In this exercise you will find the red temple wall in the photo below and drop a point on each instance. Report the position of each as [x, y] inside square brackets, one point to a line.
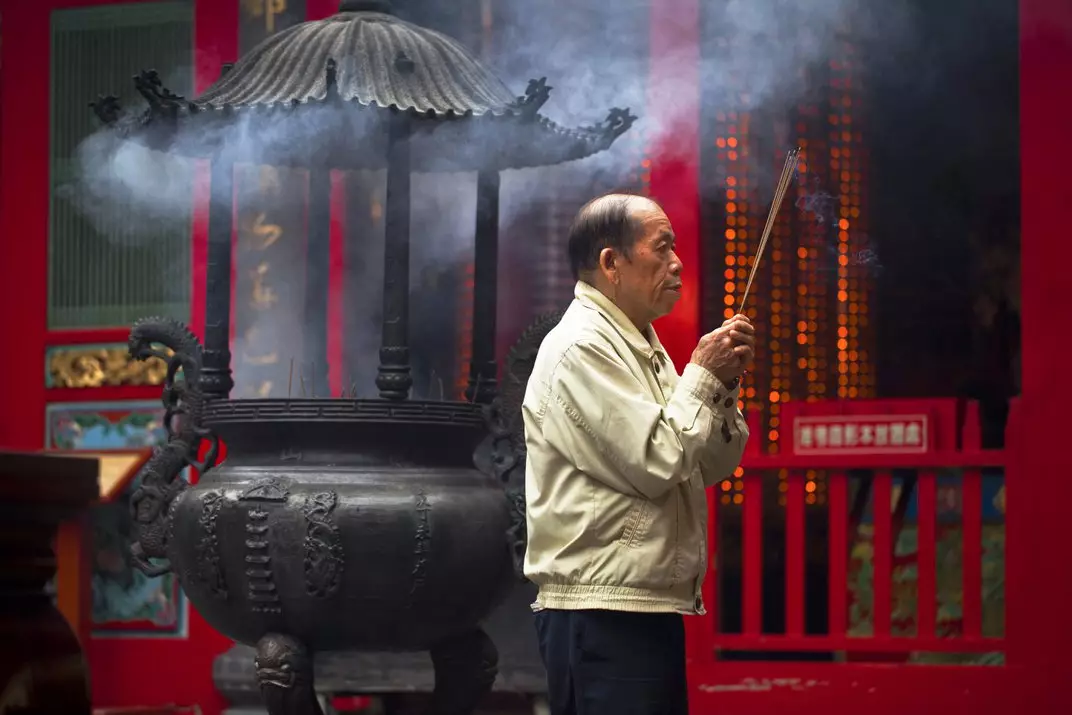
[126, 671]
[675, 170]
[1046, 301]
[144, 671]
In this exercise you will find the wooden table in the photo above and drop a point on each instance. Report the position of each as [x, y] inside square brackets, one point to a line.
[42, 667]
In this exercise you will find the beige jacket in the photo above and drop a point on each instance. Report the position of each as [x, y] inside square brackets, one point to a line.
[620, 450]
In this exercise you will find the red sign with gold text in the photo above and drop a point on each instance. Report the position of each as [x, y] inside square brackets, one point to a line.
[861, 434]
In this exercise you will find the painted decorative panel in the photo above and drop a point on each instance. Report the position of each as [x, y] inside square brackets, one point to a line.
[95, 426]
[949, 562]
[948, 586]
[949, 592]
[126, 603]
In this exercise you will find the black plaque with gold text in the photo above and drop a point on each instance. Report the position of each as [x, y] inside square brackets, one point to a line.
[260, 19]
[270, 248]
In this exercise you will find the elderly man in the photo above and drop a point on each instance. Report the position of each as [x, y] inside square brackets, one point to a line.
[620, 450]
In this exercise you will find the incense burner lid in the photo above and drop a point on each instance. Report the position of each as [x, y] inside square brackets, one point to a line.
[380, 60]
[316, 94]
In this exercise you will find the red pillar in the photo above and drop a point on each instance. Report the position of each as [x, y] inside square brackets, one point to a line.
[674, 152]
[317, 10]
[24, 198]
[675, 155]
[1039, 588]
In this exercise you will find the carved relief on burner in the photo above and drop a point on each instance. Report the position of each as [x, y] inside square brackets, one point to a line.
[262, 593]
[269, 489]
[422, 544]
[323, 545]
[208, 546]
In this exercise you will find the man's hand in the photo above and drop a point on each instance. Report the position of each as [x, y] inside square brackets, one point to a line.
[727, 351]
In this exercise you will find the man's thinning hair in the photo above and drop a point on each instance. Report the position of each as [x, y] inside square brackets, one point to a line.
[604, 222]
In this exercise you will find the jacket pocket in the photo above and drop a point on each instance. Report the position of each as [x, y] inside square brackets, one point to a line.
[637, 521]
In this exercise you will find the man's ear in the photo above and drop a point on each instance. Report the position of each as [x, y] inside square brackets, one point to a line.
[608, 264]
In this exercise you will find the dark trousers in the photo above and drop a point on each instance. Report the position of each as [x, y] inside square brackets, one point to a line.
[613, 663]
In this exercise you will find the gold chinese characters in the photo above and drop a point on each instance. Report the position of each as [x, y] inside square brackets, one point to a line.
[257, 236]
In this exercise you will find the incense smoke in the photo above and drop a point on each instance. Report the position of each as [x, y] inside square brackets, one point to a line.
[757, 55]
[819, 206]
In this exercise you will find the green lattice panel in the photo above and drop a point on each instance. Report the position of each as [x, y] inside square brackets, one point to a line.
[113, 261]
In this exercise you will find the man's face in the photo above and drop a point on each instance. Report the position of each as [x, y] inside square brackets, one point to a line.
[650, 278]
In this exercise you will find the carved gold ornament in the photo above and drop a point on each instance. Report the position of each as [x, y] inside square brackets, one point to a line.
[101, 366]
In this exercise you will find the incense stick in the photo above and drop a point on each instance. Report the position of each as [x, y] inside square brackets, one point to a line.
[788, 170]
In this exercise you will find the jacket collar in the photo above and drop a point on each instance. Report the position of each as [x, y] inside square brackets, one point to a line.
[646, 344]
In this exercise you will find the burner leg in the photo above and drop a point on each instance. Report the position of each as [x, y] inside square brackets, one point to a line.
[465, 670]
[285, 673]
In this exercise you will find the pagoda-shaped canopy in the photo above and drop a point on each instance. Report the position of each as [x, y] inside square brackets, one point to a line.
[309, 95]
[362, 89]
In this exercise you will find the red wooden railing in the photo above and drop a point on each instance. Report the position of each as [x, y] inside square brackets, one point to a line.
[887, 524]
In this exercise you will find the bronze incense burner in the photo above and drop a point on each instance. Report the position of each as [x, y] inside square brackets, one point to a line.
[340, 524]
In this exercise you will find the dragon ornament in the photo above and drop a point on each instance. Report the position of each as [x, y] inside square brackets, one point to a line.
[160, 480]
[502, 453]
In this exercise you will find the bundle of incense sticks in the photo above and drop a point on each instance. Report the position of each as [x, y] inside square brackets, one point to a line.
[788, 171]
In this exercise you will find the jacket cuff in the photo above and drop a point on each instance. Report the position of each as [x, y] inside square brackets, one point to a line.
[725, 400]
[707, 388]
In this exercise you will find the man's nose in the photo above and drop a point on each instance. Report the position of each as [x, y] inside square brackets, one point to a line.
[675, 264]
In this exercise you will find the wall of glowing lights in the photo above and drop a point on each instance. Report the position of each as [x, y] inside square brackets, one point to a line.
[812, 297]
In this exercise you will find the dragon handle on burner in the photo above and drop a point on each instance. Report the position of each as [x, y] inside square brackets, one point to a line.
[502, 453]
[160, 482]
